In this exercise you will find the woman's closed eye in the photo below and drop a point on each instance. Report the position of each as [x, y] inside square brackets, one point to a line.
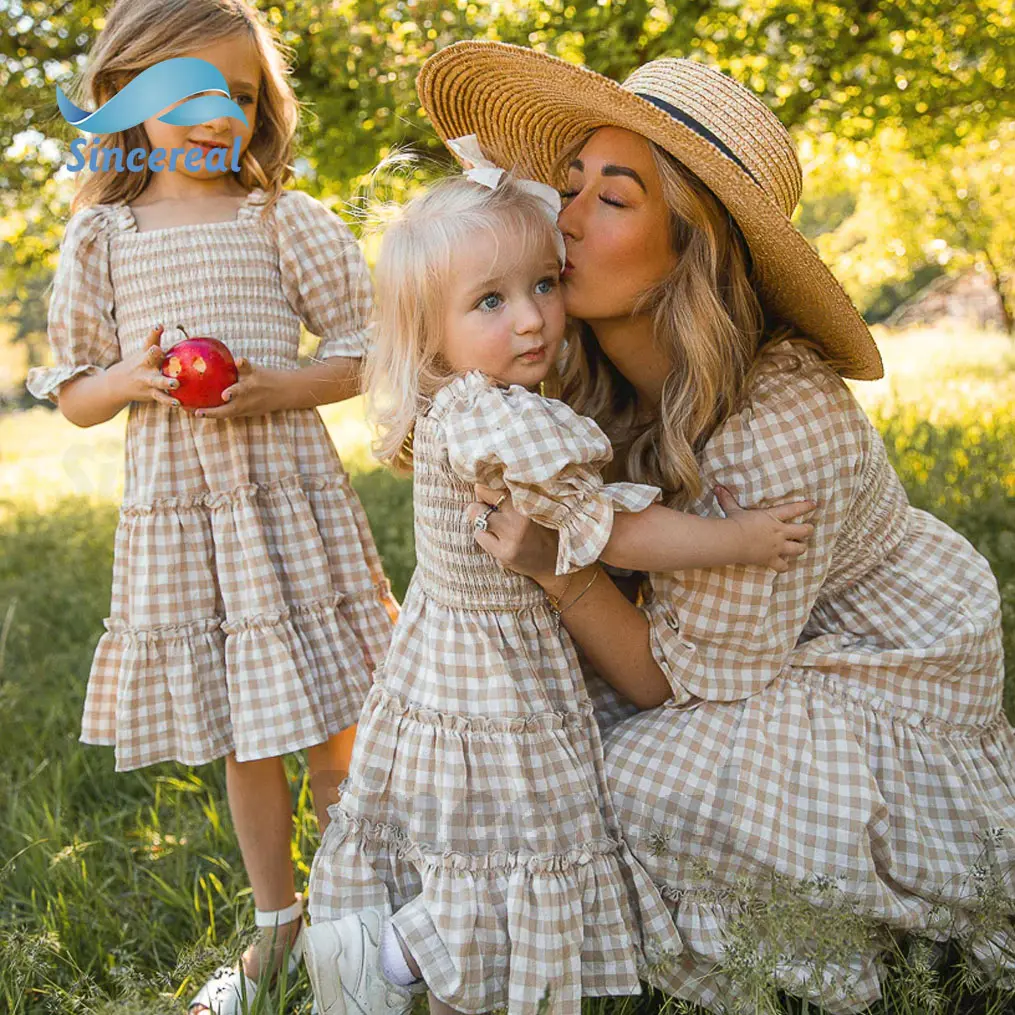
[566, 195]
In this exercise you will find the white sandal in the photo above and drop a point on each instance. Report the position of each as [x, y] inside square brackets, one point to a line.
[229, 987]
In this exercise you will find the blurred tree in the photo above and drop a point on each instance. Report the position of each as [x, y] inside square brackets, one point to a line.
[887, 220]
[940, 71]
[975, 200]
[944, 70]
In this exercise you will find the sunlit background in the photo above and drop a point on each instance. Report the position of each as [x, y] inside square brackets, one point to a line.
[118, 893]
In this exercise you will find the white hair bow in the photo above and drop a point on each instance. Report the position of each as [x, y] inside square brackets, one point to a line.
[484, 172]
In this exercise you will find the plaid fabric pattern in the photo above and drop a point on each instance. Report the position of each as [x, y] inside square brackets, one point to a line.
[476, 804]
[851, 737]
[82, 325]
[545, 454]
[319, 257]
[249, 606]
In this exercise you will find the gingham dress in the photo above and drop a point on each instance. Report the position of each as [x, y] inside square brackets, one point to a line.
[249, 605]
[851, 738]
[476, 805]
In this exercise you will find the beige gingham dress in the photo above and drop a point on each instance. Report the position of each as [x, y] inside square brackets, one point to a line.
[852, 737]
[249, 606]
[476, 805]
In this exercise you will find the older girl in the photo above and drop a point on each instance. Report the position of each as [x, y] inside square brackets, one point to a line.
[249, 605]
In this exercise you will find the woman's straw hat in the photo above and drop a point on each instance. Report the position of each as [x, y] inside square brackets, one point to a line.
[527, 107]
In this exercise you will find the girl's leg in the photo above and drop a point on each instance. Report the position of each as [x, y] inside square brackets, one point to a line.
[437, 1006]
[329, 765]
[260, 804]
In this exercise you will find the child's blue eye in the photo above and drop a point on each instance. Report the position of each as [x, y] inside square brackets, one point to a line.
[550, 283]
[484, 302]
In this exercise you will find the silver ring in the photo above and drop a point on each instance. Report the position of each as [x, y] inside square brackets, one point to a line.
[481, 524]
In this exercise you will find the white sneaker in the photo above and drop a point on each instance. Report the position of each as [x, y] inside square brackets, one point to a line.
[229, 991]
[343, 960]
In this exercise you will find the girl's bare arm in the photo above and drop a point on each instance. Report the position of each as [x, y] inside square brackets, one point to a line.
[90, 399]
[659, 539]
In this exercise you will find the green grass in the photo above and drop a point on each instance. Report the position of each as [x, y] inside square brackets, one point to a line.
[120, 892]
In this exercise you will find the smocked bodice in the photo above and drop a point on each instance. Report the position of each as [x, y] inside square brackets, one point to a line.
[451, 566]
[190, 262]
[875, 522]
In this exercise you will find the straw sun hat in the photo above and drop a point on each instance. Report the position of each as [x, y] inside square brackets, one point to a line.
[527, 107]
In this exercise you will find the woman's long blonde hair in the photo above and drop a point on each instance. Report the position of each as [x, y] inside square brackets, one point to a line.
[711, 326]
[141, 33]
[404, 367]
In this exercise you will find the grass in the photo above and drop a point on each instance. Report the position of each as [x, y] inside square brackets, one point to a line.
[120, 892]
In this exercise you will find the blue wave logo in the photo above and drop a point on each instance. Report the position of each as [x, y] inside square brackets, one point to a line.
[159, 87]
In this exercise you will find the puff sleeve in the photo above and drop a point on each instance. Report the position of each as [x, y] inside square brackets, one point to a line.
[725, 633]
[548, 457]
[324, 275]
[81, 324]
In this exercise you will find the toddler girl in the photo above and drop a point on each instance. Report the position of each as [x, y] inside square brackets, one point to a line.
[475, 848]
[249, 606]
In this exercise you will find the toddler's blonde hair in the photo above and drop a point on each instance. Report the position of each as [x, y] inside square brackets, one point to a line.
[141, 33]
[405, 368]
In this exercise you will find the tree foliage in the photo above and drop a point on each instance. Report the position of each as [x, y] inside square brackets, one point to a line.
[939, 74]
[885, 217]
[944, 70]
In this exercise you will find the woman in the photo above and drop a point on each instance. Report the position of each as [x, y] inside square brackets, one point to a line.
[833, 733]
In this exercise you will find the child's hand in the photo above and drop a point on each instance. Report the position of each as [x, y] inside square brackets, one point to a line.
[138, 378]
[255, 393]
[766, 536]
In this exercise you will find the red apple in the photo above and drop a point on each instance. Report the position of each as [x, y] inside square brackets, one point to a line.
[204, 367]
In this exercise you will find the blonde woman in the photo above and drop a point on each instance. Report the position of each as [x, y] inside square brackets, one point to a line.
[837, 726]
[475, 851]
[249, 605]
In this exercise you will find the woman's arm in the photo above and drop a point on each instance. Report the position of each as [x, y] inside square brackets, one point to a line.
[725, 633]
[611, 631]
[660, 539]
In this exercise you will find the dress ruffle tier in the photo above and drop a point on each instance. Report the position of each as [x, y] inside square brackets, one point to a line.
[914, 848]
[285, 673]
[499, 853]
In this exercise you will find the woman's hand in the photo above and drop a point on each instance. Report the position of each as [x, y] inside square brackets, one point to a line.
[612, 632]
[766, 536]
[517, 542]
[255, 393]
[138, 377]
